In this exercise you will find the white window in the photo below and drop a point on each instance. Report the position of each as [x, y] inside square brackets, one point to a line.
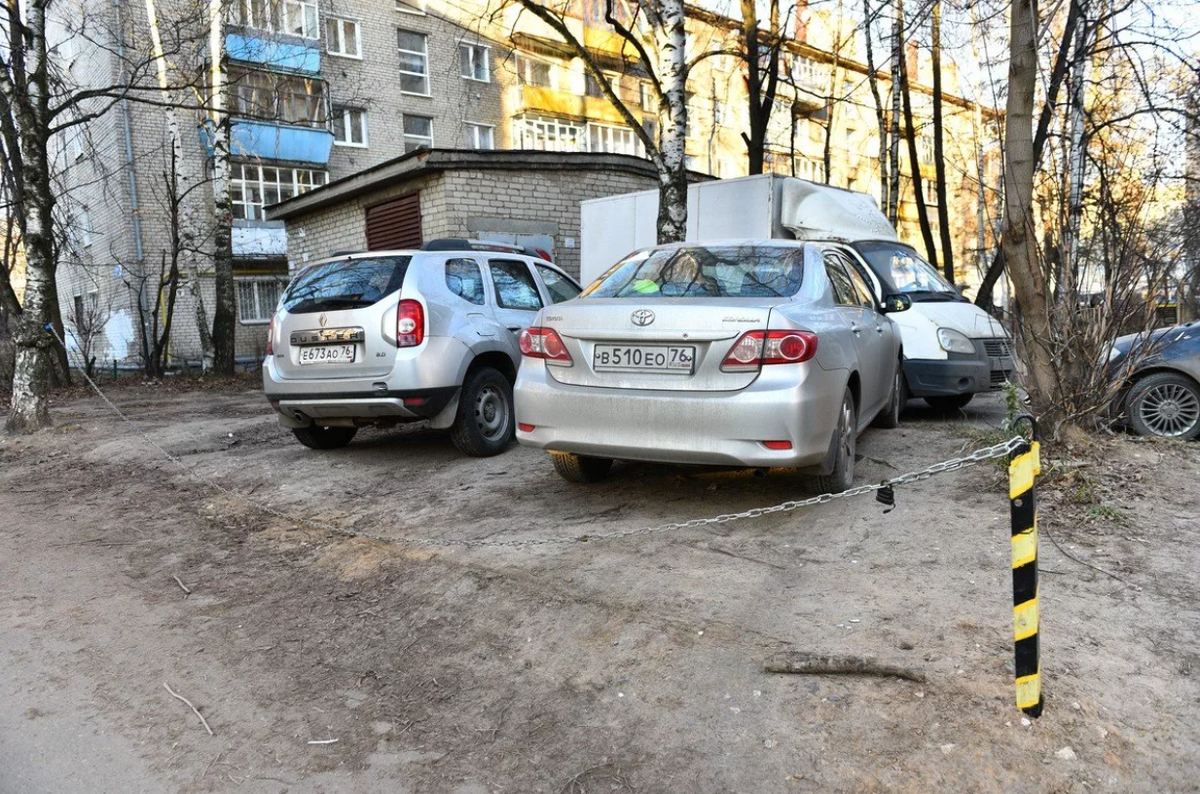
[349, 127]
[925, 147]
[544, 74]
[414, 62]
[473, 62]
[418, 133]
[808, 73]
[83, 222]
[74, 147]
[252, 187]
[610, 138]
[647, 96]
[812, 170]
[480, 136]
[411, 6]
[549, 134]
[343, 38]
[257, 300]
[297, 17]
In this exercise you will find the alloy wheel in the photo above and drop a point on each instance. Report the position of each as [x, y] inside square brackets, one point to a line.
[1169, 409]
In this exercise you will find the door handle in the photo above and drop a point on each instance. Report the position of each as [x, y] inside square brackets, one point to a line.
[514, 328]
[854, 329]
[879, 330]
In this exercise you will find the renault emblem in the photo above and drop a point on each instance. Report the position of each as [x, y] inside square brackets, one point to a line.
[323, 320]
[642, 317]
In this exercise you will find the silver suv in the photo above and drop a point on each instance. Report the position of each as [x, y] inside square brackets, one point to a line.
[387, 337]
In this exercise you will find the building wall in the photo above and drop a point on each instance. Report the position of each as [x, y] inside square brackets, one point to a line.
[469, 203]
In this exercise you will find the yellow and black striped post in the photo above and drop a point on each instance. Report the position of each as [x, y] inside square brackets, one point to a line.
[1023, 467]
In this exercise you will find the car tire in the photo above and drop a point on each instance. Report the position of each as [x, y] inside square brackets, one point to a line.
[484, 425]
[889, 418]
[949, 402]
[580, 469]
[842, 475]
[1165, 405]
[317, 437]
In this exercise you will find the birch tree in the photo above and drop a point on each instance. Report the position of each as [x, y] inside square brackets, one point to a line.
[656, 34]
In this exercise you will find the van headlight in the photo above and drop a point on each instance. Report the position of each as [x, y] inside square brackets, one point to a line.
[954, 342]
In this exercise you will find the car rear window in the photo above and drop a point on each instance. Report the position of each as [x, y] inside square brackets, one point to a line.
[741, 271]
[345, 284]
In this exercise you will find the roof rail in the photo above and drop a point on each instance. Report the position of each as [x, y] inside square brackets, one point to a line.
[464, 244]
[345, 253]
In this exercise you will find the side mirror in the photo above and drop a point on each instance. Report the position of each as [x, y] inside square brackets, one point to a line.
[896, 303]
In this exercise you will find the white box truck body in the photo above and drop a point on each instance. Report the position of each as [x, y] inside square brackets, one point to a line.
[952, 348]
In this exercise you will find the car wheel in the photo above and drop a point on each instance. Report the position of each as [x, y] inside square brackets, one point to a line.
[890, 416]
[484, 425]
[1165, 406]
[580, 469]
[842, 475]
[317, 437]
[952, 402]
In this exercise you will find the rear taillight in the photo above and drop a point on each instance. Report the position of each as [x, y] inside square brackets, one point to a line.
[410, 324]
[758, 348]
[544, 343]
[271, 336]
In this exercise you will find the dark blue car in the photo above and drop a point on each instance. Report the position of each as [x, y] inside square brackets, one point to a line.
[1161, 373]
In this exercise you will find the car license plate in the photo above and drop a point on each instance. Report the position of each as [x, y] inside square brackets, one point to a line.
[679, 359]
[327, 354]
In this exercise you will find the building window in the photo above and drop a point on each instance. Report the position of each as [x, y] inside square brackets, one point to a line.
[270, 96]
[349, 127]
[473, 62]
[480, 136]
[414, 62]
[83, 228]
[257, 300]
[807, 73]
[548, 134]
[812, 170]
[647, 96]
[411, 6]
[930, 188]
[592, 87]
[252, 187]
[610, 138]
[925, 148]
[297, 17]
[418, 133]
[532, 71]
[342, 38]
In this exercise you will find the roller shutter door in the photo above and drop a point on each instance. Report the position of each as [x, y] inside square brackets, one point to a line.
[395, 224]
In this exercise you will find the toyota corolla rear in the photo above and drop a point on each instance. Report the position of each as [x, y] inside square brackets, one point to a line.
[688, 354]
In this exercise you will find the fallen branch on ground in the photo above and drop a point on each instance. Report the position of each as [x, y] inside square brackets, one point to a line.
[175, 694]
[808, 664]
[182, 585]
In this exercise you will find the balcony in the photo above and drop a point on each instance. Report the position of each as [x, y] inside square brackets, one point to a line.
[270, 141]
[275, 54]
[264, 240]
[553, 102]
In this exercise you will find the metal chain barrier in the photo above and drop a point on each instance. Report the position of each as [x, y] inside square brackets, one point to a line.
[1001, 450]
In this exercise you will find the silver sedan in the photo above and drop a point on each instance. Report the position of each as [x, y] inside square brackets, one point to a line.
[748, 353]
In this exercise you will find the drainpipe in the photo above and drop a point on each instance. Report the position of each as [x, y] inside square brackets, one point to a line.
[134, 211]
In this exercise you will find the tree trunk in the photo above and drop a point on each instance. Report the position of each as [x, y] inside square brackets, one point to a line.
[914, 166]
[672, 49]
[939, 157]
[898, 66]
[758, 125]
[224, 319]
[1020, 242]
[880, 118]
[984, 297]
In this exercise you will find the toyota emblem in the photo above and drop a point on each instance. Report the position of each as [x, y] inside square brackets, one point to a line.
[642, 317]
[323, 320]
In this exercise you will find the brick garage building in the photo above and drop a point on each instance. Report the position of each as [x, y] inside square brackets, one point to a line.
[526, 197]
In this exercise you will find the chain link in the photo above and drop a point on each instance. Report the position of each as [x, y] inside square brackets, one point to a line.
[1003, 449]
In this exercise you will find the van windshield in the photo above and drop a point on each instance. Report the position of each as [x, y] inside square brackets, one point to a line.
[345, 284]
[743, 271]
[906, 271]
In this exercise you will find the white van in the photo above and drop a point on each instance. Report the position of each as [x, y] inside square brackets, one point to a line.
[952, 348]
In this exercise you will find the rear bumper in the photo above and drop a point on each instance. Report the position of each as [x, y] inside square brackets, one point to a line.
[398, 406]
[961, 373]
[793, 403]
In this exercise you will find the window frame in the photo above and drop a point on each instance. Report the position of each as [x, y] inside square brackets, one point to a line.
[406, 135]
[346, 114]
[477, 125]
[298, 186]
[341, 23]
[260, 318]
[414, 7]
[533, 282]
[424, 55]
[483, 279]
[473, 48]
[540, 270]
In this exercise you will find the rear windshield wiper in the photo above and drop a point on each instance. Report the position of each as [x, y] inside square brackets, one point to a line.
[313, 304]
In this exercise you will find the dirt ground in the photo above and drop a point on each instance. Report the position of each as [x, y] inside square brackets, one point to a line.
[325, 664]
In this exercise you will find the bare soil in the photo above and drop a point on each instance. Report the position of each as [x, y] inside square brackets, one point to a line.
[632, 665]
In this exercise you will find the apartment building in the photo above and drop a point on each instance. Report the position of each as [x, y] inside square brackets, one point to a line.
[322, 89]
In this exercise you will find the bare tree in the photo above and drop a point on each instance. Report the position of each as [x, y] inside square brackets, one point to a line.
[939, 153]
[657, 34]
